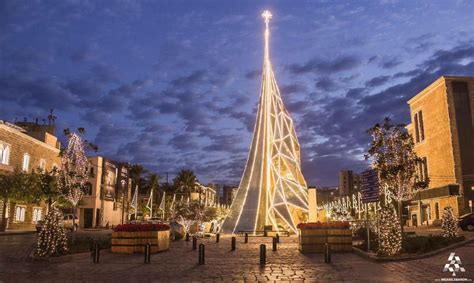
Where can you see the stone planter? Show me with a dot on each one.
(312, 240)
(134, 242)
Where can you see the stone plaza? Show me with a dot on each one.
(180, 264)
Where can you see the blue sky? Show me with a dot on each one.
(175, 84)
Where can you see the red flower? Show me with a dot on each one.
(141, 227)
(316, 225)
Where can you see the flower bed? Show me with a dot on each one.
(141, 227)
(314, 236)
(132, 238)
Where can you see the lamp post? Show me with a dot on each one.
(122, 182)
(328, 214)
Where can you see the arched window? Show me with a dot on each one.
(26, 162)
(4, 153)
(20, 213)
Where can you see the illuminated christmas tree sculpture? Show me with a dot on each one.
(272, 190)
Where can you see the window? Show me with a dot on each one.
(37, 213)
(419, 127)
(26, 162)
(42, 164)
(422, 128)
(20, 213)
(422, 170)
(4, 153)
(417, 133)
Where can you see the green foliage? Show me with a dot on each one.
(215, 214)
(185, 181)
(393, 157)
(46, 186)
(424, 244)
(17, 186)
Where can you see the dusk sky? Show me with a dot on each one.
(175, 84)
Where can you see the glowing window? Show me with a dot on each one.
(26, 162)
(37, 214)
(20, 213)
(4, 153)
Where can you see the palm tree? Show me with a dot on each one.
(185, 181)
(136, 171)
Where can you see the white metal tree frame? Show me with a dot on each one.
(272, 190)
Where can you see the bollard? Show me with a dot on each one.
(187, 237)
(217, 237)
(327, 253)
(263, 254)
(96, 252)
(194, 243)
(246, 238)
(147, 253)
(233, 244)
(278, 238)
(201, 254)
(274, 244)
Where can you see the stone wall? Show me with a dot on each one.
(20, 143)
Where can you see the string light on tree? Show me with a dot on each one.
(449, 223)
(390, 235)
(52, 238)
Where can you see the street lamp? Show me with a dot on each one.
(328, 214)
(122, 182)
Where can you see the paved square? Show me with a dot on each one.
(179, 264)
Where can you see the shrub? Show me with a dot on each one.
(424, 244)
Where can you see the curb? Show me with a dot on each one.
(375, 258)
(61, 258)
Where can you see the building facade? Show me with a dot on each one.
(442, 126)
(107, 200)
(26, 148)
(349, 183)
(228, 194)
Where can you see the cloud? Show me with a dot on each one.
(321, 66)
(326, 84)
(377, 81)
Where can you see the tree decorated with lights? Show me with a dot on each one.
(74, 173)
(395, 161)
(449, 223)
(390, 234)
(52, 238)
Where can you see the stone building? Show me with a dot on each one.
(349, 183)
(26, 146)
(107, 200)
(442, 125)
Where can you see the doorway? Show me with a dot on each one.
(88, 215)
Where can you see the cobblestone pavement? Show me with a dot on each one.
(179, 264)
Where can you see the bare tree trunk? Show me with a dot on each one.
(400, 214)
(3, 227)
(73, 233)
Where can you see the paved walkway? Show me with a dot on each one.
(179, 264)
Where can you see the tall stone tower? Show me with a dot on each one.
(272, 190)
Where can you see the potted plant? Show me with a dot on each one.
(132, 238)
(313, 236)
